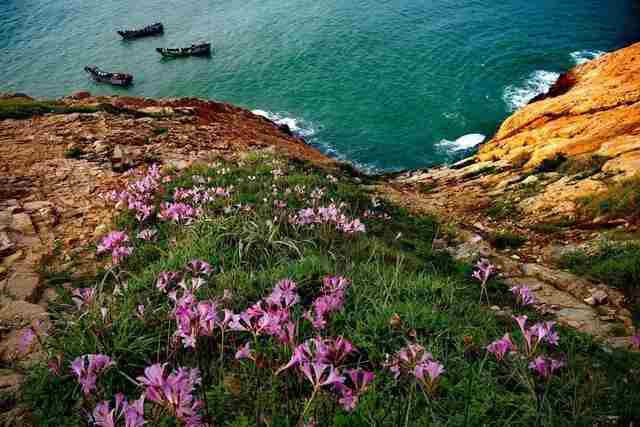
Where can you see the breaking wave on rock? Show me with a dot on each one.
(517, 96)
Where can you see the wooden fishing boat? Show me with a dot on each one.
(116, 79)
(150, 30)
(201, 49)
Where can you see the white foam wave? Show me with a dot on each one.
(297, 126)
(306, 130)
(582, 56)
(538, 82)
(463, 143)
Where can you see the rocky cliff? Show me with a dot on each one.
(569, 144)
(593, 110)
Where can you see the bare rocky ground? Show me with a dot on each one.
(53, 169)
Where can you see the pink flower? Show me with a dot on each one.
(635, 342)
(116, 242)
(167, 280)
(483, 271)
(350, 391)
(245, 352)
(333, 350)
(327, 351)
(178, 212)
(536, 334)
(147, 234)
(194, 318)
(328, 215)
(331, 301)
(174, 392)
(198, 267)
(433, 370)
(320, 375)
(406, 359)
(87, 368)
(523, 295)
(26, 339)
(545, 366)
(131, 413)
(284, 294)
(500, 347)
(139, 194)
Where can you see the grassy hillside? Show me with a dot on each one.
(364, 272)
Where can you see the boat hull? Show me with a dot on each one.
(115, 79)
(195, 50)
(151, 30)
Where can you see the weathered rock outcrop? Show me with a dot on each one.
(589, 121)
(594, 109)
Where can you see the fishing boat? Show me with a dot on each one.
(150, 30)
(201, 49)
(116, 79)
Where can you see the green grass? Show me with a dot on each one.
(616, 264)
(24, 108)
(73, 153)
(506, 240)
(621, 199)
(503, 209)
(395, 274)
(583, 166)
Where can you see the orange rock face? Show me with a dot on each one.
(593, 109)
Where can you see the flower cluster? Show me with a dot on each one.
(523, 294)
(272, 315)
(635, 342)
(174, 392)
(87, 368)
(330, 301)
(132, 414)
(500, 348)
(414, 361)
(319, 360)
(537, 333)
(116, 242)
(194, 318)
(139, 194)
(179, 212)
(199, 195)
(331, 214)
(534, 335)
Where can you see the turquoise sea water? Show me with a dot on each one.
(384, 83)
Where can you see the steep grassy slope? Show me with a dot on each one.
(399, 293)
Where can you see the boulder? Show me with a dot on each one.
(22, 222)
(6, 244)
(23, 286)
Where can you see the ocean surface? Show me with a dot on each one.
(386, 84)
